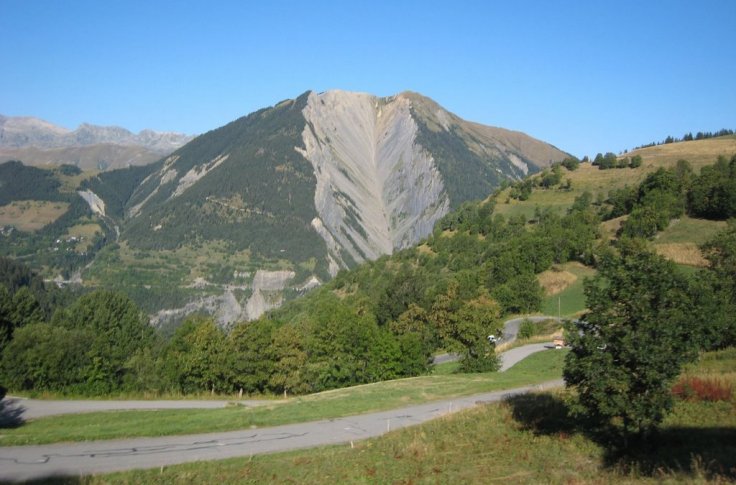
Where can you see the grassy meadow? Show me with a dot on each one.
(563, 285)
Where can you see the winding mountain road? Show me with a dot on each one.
(18, 463)
(510, 332)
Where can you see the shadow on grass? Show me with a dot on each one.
(56, 480)
(11, 413)
(698, 452)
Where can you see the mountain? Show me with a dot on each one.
(282, 199)
(368, 175)
(38, 142)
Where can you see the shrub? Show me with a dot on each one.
(701, 389)
(526, 329)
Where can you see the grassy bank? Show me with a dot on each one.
(537, 368)
(528, 439)
(571, 299)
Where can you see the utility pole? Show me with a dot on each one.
(559, 313)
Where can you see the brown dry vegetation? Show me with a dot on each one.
(697, 152)
(610, 228)
(589, 178)
(682, 253)
(554, 281)
(31, 215)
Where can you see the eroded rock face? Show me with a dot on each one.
(377, 189)
(267, 294)
(96, 204)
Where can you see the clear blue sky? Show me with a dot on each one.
(587, 76)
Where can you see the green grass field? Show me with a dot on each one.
(571, 299)
(527, 439)
(688, 230)
(681, 240)
(537, 368)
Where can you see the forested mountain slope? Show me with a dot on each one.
(280, 200)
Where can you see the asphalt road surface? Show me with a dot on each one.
(37, 408)
(511, 327)
(510, 332)
(76, 459)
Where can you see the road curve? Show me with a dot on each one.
(511, 327)
(510, 332)
(514, 356)
(39, 408)
(19, 463)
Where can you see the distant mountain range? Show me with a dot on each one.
(38, 142)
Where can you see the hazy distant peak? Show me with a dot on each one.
(26, 131)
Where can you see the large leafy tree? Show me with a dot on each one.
(717, 289)
(465, 325)
(47, 357)
(713, 193)
(290, 352)
(118, 330)
(250, 355)
(630, 346)
(196, 357)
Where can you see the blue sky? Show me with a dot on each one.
(586, 76)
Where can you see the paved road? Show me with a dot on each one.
(510, 331)
(511, 327)
(514, 356)
(37, 408)
(75, 459)
(33, 408)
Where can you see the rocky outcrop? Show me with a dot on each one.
(267, 294)
(96, 204)
(377, 190)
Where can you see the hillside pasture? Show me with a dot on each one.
(565, 294)
(680, 241)
(697, 152)
(599, 182)
(31, 215)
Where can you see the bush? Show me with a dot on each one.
(526, 329)
(701, 389)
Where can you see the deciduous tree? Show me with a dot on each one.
(629, 347)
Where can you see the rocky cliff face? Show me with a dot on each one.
(377, 189)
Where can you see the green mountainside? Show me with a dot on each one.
(277, 202)
(266, 208)
(386, 318)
